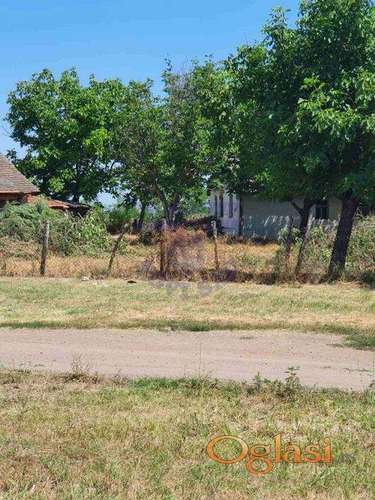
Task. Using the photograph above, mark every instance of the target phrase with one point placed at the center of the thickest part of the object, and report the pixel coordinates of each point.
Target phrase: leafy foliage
(119, 215)
(161, 153)
(68, 235)
(66, 130)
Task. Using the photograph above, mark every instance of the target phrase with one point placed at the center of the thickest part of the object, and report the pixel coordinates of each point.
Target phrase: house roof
(12, 181)
(58, 204)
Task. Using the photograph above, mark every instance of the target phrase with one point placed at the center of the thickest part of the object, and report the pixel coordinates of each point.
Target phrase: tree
(266, 83)
(184, 165)
(249, 101)
(65, 130)
(339, 108)
(159, 144)
(136, 144)
(301, 111)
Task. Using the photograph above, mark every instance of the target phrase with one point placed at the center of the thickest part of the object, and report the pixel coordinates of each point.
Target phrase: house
(257, 218)
(62, 206)
(13, 185)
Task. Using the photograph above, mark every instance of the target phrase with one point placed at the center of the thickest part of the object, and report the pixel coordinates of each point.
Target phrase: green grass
(76, 436)
(364, 342)
(71, 303)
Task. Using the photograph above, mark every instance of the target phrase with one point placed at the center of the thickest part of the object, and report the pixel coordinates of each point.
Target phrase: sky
(120, 38)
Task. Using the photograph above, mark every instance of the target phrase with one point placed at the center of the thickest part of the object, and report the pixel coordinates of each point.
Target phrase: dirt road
(239, 356)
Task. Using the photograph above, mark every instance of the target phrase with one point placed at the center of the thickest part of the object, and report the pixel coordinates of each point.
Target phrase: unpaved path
(239, 356)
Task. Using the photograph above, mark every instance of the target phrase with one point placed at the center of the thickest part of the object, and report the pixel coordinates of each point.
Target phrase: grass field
(140, 261)
(75, 436)
(61, 303)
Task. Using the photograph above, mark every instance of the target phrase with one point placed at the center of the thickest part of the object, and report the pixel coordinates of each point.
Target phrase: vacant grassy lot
(78, 437)
(239, 261)
(342, 308)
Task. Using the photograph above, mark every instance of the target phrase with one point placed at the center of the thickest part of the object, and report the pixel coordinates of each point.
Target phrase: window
(222, 205)
(231, 206)
(322, 210)
(216, 206)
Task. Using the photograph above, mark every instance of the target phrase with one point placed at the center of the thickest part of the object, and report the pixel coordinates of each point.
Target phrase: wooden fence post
(163, 248)
(288, 244)
(302, 250)
(115, 249)
(43, 260)
(214, 233)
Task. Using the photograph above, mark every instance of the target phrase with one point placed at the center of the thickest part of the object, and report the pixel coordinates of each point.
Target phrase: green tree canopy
(160, 144)
(295, 113)
(65, 130)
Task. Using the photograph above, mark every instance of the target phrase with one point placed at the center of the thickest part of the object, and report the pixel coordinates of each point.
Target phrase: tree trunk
(141, 219)
(170, 213)
(115, 249)
(302, 249)
(166, 207)
(304, 213)
(344, 232)
(241, 219)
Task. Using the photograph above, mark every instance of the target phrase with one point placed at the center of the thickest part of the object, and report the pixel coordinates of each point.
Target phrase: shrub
(117, 216)
(148, 237)
(23, 222)
(184, 252)
(361, 258)
(318, 251)
(89, 235)
(361, 255)
(69, 235)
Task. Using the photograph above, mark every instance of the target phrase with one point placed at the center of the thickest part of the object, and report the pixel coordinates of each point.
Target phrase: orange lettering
(296, 451)
(257, 456)
(312, 451)
(211, 453)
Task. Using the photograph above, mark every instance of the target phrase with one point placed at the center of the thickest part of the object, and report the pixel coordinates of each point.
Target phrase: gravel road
(323, 361)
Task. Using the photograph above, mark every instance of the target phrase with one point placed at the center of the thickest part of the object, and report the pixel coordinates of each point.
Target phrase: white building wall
(263, 218)
(230, 225)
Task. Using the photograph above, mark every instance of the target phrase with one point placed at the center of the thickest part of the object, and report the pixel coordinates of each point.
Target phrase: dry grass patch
(341, 308)
(239, 261)
(82, 438)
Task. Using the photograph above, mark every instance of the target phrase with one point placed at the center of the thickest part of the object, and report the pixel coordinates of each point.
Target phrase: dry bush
(361, 259)
(318, 253)
(184, 255)
(10, 247)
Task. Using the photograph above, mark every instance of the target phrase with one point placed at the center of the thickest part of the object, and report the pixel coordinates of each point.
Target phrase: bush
(361, 258)
(361, 255)
(69, 235)
(184, 252)
(148, 237)
(318, 251)
(119, 215)
(88, 235)
(24, 222)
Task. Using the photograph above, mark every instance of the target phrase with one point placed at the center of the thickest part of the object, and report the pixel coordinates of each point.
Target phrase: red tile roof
(62, 205)
(58, 204)
(12, 181)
